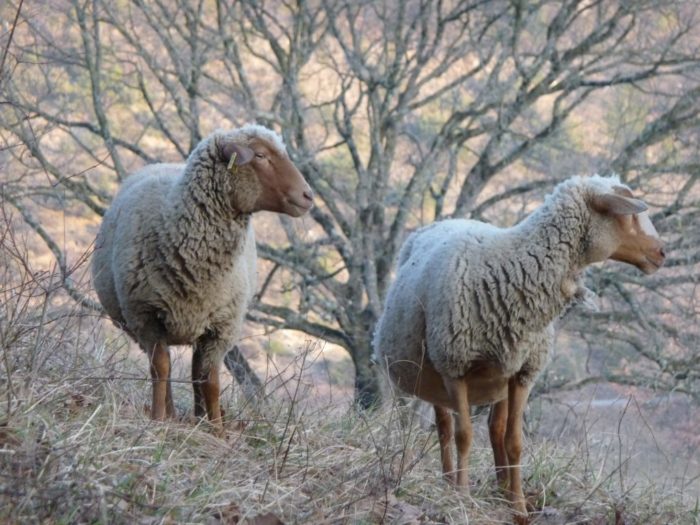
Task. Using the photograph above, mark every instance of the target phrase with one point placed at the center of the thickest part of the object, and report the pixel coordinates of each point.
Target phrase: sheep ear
(624, 191)
(614, 204)
(243, 153)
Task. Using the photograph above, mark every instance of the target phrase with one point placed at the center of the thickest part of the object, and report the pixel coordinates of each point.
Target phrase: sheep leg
(211, 393)
(160, 376)
(463, 435)
(205, 383)
(445, 430)
(498, 418)
(198, 376)
(169, 404)
(517, 398)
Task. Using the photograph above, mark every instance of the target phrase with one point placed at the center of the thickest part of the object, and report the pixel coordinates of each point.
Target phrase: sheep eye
(259, 155)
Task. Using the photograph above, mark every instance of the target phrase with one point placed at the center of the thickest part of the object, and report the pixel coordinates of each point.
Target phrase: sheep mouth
(297, 209)
(651, 265)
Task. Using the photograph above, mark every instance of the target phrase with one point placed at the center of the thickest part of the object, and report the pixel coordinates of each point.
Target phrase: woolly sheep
(174, 261)
(469, 317)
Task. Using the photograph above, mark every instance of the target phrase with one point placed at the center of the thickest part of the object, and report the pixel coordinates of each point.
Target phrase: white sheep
(469, 317)
(174, 259)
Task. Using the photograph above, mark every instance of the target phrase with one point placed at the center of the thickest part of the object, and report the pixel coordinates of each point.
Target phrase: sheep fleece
(468, 292)
(172, 260)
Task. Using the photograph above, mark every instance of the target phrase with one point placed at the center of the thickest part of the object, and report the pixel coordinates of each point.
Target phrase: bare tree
(398, 114)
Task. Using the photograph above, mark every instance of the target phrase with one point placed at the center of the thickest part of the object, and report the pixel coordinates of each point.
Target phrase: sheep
(174, 259)
(469, 317)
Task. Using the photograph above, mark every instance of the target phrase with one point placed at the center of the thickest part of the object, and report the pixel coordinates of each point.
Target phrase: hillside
(77, 446)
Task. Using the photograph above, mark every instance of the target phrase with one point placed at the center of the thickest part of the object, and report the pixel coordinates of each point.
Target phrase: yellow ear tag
(232, 168)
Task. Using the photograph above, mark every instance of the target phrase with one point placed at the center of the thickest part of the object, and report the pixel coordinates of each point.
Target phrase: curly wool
(471, 293)
(175, 258)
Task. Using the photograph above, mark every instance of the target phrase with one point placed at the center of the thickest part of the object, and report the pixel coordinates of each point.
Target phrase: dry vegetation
(77, 446)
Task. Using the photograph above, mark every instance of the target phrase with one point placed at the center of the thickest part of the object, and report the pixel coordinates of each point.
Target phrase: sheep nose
(662, 252)
(308, 195)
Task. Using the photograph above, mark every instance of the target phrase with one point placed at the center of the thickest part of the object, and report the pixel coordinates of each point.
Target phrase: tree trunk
(238, 365)
(367, 392)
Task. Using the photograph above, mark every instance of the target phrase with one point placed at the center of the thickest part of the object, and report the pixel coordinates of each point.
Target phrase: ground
(76, 445)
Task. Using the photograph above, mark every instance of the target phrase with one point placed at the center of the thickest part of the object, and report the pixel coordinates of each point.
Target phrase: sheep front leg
(205, 381)
(445, 431)
(517, 399)
(463, 435)
(211, 392)
(160, 377)
(498, 418)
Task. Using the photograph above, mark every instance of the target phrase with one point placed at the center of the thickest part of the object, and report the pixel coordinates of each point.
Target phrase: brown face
(283, 188)
(636, 240)
(274, 183)
(639, 242)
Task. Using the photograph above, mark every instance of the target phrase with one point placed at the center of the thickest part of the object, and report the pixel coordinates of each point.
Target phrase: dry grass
(77, 446)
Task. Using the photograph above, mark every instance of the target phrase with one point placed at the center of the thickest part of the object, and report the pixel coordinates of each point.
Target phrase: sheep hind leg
(160, 377)
(498, 418)
(445, 431)
(198, 379)
(463, 435)
(205, 383)
(517, 399)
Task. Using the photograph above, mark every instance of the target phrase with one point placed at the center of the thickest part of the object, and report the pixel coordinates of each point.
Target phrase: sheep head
(268, 179)
(623, 231)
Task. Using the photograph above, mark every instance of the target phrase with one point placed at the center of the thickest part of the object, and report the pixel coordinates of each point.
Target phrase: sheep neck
(551, 241)
(209, 234)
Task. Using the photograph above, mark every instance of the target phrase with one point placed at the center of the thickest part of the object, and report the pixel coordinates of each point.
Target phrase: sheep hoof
(214, 427)
(167, 416)
(462, 488)
(520, 519)
(520, 516)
